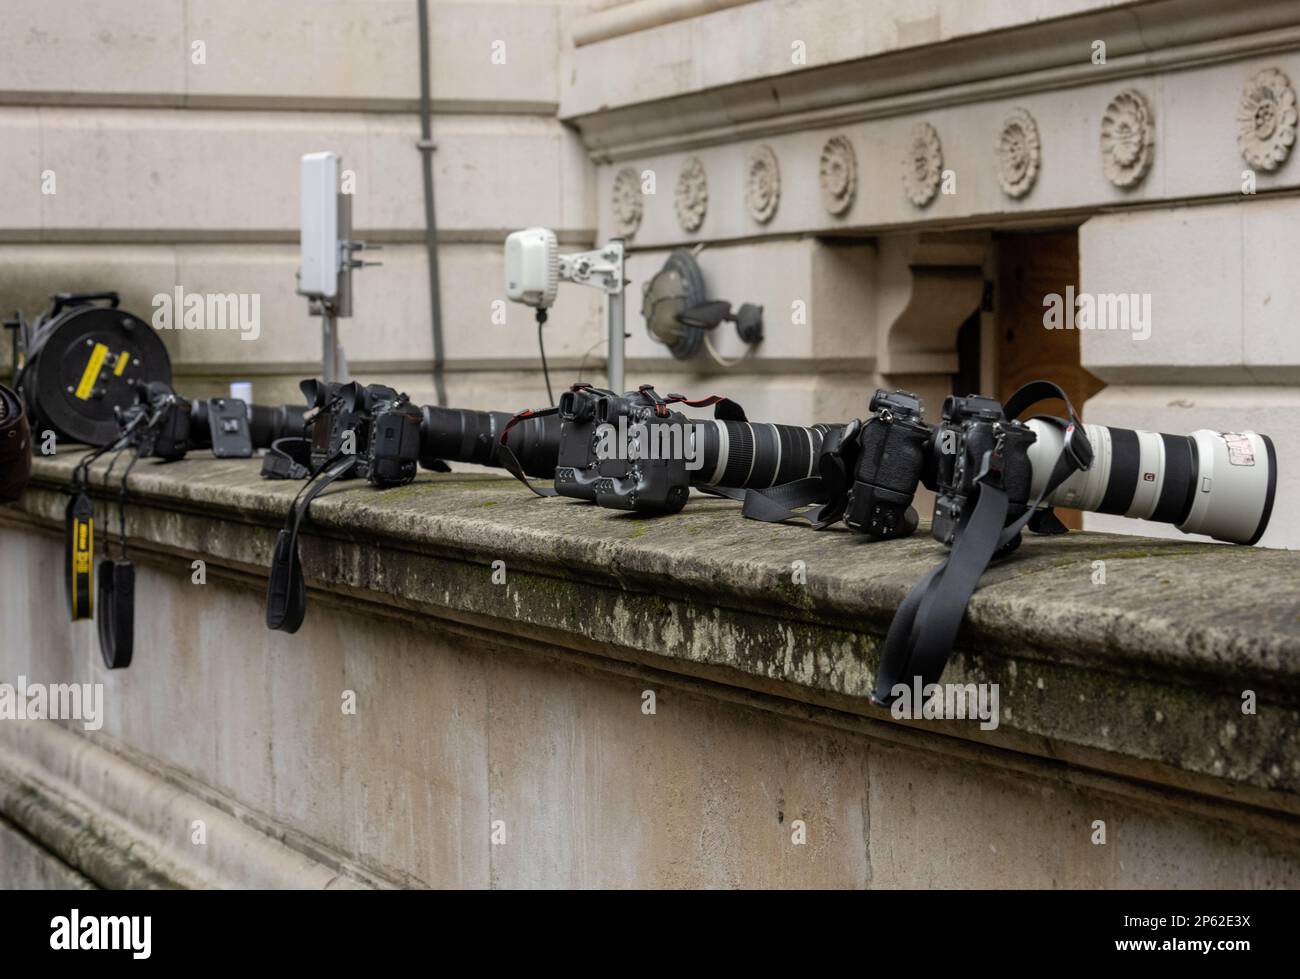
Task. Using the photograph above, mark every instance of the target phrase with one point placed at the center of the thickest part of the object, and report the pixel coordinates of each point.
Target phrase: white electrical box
(532, 267)
(318, 274)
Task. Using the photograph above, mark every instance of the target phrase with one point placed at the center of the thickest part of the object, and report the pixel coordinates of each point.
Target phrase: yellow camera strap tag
(79, 540)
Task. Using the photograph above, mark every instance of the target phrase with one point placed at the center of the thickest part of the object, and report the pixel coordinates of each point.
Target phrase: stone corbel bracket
(929, 286)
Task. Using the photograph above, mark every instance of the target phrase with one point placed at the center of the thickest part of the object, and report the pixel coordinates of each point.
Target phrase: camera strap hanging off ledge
(921, 636)
(79, 554)
(79, 529)
(286, 591)
(116, 590)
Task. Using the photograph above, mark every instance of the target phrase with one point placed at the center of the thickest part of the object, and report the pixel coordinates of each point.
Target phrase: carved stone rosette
(923, 165)
(627, 201)
(691, 198)
(1128, 136)
(1266, 120)
(762, 184)
(838, 173)
(1019, 153)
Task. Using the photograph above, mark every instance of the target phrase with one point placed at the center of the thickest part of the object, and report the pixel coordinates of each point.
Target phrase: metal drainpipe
(426, 147)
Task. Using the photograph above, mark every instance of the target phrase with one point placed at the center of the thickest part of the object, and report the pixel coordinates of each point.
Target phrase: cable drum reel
(678, 312)
(83, 360)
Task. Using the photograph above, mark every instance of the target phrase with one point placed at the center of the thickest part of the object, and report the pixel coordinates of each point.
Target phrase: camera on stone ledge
(161, 424)
(157, 423)
(891, 459)
(373, 423)
(898, 451)
(576, 465)
(625, 452)
(975, 428)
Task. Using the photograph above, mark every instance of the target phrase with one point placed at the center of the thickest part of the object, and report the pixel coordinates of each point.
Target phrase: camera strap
(922, 633)
(286, 592)
(79, 529)
(116, 591)
(79, 553)
(830, 488)
(287, 458)
(79, 541)
(508, 460)
(724, 409)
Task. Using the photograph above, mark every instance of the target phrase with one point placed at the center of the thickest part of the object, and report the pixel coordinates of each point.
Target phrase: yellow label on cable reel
(91, 373)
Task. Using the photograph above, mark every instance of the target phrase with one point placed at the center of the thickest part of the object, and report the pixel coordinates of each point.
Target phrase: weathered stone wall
(518, 708)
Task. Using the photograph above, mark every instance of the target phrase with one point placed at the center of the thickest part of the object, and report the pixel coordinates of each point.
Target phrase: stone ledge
(1142, 677)
(128, 828)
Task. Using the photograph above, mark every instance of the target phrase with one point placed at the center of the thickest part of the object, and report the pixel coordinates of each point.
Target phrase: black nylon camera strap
(116, 585)
(830, 488)
(286, 591)
(79, 554)
(79, 528)
(79, 541)
(287, 458)
(922, 633)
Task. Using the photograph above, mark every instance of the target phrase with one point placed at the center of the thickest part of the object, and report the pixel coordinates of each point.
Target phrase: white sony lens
(1236, 481)
(1220, 484)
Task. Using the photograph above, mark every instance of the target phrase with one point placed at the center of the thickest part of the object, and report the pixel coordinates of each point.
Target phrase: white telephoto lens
(1220, 484)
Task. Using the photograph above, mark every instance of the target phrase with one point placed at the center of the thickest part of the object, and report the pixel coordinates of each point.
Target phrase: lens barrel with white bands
(1220, 484)
(752, 455)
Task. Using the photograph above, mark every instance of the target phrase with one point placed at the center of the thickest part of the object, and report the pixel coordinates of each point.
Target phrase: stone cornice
(618, 19)
(1165, 36)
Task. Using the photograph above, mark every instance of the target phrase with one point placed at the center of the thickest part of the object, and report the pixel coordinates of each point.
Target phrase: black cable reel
(81, 362)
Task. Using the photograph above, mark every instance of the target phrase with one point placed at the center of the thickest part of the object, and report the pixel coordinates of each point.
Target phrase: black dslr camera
(625, 452)
(891, 459)
(975, 439)
(372, 424)
(161, 424)
(157, 423)
(576, 465)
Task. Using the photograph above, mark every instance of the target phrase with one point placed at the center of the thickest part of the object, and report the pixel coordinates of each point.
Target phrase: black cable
(541, 322)
(121, 505)
(108, 473)
(582, 367)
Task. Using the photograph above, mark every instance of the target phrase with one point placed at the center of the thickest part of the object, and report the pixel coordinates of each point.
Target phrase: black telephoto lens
(462, 435)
